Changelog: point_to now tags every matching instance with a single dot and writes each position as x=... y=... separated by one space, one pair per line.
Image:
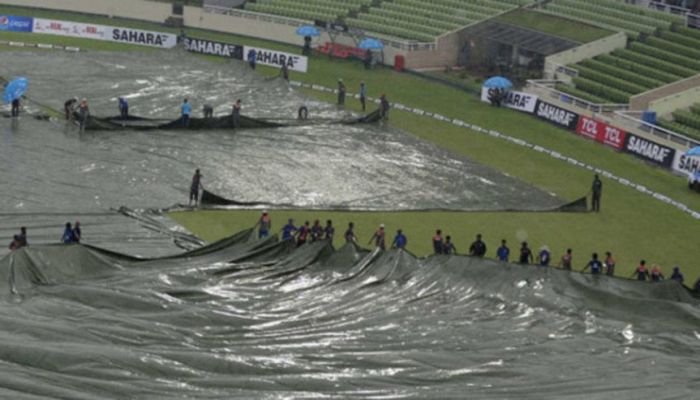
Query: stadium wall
x=134 y=9
x=675 y=95
x=585 y=51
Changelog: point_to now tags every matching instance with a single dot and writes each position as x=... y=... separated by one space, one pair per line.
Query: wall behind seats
x=135 y=9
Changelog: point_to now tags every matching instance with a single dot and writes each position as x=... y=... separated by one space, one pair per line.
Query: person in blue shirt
x=123 y=108
x=503 y=252
x=595 y=265
x=288 y=230
x=544 y=257
x=363 y=95
x=400 y=240
x=186 y=109
x=448 y=247
x=68 y=236
x=252 y=58
x=677 y=276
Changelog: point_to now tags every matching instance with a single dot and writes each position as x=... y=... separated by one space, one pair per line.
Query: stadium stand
x=613 y=15
x=324 y=10
x=686 y=122
x=660 y=51
x=408 y=19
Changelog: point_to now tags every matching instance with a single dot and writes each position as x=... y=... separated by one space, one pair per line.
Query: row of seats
x=644 y=65
x=408 y=19
x=686 y=122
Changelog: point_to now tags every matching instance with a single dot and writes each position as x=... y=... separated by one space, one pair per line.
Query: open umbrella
x=498 y=82
x=15 y=89
x=372 y=44
x=308 y=30
x=694 y=152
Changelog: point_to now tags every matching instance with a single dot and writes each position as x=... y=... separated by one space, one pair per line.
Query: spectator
x=478 y=247
x=15 y=108
x=503 y=252
x=208 y=110
x=400 y=240
x=437 y=242
x=526 y=256
x=566 y=260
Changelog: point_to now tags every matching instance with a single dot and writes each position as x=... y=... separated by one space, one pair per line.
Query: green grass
x=553 y=25
x=631 y=225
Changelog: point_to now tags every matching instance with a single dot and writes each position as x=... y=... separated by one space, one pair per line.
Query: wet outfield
x=249 y=319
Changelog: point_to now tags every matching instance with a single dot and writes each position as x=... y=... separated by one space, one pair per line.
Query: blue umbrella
x=308 y=30
x=372 y=44
x=695 y=151
x=498 y=82
x=15 y=89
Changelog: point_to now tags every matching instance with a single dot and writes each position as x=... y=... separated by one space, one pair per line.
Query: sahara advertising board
x=212 y=48
x=104 y=32
x=274 y=58
x=685 y=164
x=601 y=132
x=556 y=115
x=16 y=24
x=649 y=151
x=520 y=101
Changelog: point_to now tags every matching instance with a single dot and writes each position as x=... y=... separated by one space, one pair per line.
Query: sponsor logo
x=649 y=150
x=688 y=165
x=16 y=24
x=601 y=132
x=556 y=115
x=214 y=48
x=274 y=58
x=140 y=37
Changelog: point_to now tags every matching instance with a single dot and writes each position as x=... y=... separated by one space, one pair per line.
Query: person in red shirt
x=303 y=233
x=437 y=242
x=609 y=264
x=641 y=272
x=378 y=238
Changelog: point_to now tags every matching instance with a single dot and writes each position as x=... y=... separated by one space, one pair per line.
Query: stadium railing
x=691 y=20
x=634 y=119
x=549 y=87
